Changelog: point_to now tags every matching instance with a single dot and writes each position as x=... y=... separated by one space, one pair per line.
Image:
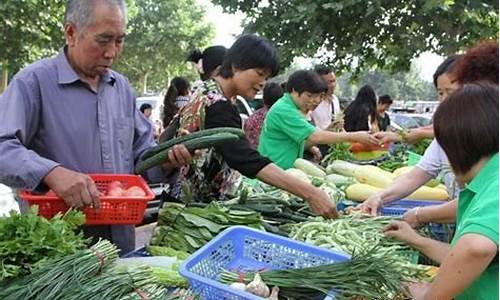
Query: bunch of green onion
x=367 y=276
x=54 y=276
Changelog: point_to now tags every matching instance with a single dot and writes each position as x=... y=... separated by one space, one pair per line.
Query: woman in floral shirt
x=246 y=67
x=253 y=125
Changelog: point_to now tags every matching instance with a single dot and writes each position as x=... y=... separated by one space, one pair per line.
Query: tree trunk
x=145 y=84
x=4 y=78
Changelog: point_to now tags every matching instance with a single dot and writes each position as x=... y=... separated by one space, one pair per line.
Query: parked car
x=422 y=119
x=402 y=121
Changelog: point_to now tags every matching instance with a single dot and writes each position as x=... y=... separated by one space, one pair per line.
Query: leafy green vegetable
x=420 y=146
x=189 y=228
x=169 y=277
x=339 y=151
x=27 y=239
x=166 y=251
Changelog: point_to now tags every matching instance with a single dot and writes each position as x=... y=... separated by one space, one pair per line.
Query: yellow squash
x=373 y=176
x=360 y=192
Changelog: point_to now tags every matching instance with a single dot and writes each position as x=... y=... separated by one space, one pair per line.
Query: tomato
x=135 y=191
x=115 y=189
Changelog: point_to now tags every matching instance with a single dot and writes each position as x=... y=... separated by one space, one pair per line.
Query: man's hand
x=372 y=205
x=75 y=188
x=387 y=136
x=364 y=137
x=178 y=156
x=402 y=232
x=322 y=205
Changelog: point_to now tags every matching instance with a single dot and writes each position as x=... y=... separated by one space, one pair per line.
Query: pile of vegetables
x=189 y=228
x=28 y=239
x=356 y=233
x=116 y=189
x=366 y=275
x=372 y=179
x=339 y=151
x=198 y=140
x=86 y=274
x=394 y=161
x=420 y=146
x=278 y=207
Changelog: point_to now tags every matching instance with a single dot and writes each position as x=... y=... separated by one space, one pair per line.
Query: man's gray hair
x=81 y=12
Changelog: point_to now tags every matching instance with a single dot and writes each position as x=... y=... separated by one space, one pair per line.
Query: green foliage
x=29 y=30
x=159 y=38
x=160 y=35
x=27 y=239
x=407 y=86
x=357 y=34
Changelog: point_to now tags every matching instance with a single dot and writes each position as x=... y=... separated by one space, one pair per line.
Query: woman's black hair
x=179 y=86
x=323 y=70
x=250 y=52
x=385 y=99
x=363 y=106
x=306 y=81
x=466 y=125
x=446 y=67
x=272 y=92
x=212 y=58
x=145 y=106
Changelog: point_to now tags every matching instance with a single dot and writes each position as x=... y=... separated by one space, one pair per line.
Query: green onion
x=365 y=275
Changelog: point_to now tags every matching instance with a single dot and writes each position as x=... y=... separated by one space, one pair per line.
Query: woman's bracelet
x=416 y=213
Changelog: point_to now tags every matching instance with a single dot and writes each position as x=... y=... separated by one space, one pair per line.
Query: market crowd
x=71 y=115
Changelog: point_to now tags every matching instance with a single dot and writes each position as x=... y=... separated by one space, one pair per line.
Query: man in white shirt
x=324 y=114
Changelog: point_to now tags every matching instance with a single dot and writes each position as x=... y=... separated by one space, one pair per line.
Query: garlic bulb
x=258 y=287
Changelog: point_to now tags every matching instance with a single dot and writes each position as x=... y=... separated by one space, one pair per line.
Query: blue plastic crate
x=245 y=249
x=442 y=232
x=398 y=208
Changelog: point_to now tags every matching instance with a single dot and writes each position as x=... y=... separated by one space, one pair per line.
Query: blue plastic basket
x=243 y=249
x=398 y=208
x=442 y=232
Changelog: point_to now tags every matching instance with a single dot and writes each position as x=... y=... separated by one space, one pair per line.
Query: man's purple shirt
x=49 y=117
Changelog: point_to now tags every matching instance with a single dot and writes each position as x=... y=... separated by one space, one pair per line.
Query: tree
x=405 y=86
x=31 y=30
x=357 y=34
x=159 y=38
x=28 y=31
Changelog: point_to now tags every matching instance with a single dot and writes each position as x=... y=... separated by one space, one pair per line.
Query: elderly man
x=71 y=114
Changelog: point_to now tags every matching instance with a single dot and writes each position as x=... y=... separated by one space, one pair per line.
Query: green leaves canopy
x=159 y=39
x=358 y=34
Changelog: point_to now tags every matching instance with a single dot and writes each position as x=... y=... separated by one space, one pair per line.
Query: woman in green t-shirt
x=469 y=266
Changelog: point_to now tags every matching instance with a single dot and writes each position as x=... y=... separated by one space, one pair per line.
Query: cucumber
x=342 y=168
x=308 y=167
x=182 y=139
x=192 y=144
x=339 y=179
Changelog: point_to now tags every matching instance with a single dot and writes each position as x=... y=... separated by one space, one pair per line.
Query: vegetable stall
x=196 y=253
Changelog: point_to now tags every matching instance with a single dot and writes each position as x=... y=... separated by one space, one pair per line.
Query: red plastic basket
x=114 y=210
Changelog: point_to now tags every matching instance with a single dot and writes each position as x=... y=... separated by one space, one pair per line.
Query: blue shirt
x=49 y=117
